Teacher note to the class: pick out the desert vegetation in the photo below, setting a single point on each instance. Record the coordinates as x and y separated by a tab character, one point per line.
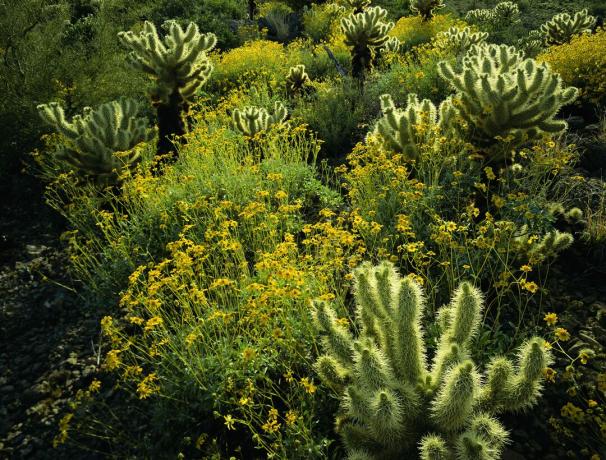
292	230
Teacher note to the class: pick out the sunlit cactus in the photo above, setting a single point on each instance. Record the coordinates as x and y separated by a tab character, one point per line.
426	8
359	5
393	45
179	65
393	403
480	17
418	124
537	249
365	32
459	40
296	79
505	98
94	138
562	27
252	120
532	44
503	14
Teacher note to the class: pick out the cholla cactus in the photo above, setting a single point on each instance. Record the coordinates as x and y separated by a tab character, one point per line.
425	8
179	65
94	138
480	17
562	27
393	404
251	120
365	32
503	14
296	79
419	124
459	40
532	44
505	99
393	45
538	249
359	5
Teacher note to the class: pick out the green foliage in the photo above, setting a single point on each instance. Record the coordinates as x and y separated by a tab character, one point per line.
94	138
179	64
252	120
562	27
403	131
426	8
505	99
216	16
296	79
277	18
365	32
320	20
459	40
392	402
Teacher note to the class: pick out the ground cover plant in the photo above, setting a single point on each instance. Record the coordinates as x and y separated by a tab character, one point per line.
295	230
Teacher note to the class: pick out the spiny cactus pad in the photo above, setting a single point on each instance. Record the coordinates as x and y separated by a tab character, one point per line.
394	404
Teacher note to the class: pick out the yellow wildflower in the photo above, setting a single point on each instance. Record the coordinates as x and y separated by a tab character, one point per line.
562	334
551	319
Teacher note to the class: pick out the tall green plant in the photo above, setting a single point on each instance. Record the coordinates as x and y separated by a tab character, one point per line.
94	138
178	64
364	33
393	404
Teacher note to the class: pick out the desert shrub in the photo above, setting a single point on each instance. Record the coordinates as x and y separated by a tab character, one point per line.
50	55
216	16
337	112
258	62
410	73
277	18
445	217
413	31
581	63
320	21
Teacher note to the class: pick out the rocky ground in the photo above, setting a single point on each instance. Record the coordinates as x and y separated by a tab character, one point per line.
46	351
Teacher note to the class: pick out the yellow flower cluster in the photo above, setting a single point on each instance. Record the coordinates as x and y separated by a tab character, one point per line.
581	63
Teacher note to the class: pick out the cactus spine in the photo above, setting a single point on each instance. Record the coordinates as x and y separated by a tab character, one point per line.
426	8
179	65
506	99
94	138
562	27
252	120
365	32
419	124
393	405
393	45
296	79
